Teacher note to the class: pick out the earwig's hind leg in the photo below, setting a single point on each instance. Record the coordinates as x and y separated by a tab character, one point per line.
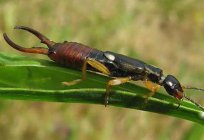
152	87
74	82
93	63
114	82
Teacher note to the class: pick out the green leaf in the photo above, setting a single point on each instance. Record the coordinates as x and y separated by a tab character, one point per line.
27	78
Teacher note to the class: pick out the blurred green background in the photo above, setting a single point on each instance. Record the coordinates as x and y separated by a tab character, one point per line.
166	33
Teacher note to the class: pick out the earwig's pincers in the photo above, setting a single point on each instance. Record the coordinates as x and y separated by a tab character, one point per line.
38	50
117	66
43	39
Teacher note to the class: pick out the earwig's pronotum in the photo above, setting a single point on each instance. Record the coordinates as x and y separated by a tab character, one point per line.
117	66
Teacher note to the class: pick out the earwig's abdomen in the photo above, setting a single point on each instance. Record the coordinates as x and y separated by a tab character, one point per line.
70	54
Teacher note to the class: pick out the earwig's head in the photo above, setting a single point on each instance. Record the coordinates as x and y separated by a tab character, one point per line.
173	87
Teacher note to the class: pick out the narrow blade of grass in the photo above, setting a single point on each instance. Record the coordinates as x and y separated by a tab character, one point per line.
24	78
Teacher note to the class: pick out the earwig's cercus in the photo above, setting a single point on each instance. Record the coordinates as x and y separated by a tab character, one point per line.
117	66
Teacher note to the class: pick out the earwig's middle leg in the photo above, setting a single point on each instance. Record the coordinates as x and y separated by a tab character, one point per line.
114	82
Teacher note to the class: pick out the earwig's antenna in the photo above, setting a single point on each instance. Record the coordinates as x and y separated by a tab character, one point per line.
191	100
193	88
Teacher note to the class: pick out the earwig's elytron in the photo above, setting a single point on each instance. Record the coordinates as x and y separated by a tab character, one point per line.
117	66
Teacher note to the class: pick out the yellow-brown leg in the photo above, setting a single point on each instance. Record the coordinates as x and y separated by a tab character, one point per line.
152	87
74	82
114	82
93	63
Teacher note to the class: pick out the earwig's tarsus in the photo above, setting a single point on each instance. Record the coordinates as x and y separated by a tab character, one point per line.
179	104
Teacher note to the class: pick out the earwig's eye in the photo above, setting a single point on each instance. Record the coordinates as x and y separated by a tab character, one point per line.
109	56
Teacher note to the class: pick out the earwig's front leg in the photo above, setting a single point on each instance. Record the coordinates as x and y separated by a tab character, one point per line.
114	82
152	87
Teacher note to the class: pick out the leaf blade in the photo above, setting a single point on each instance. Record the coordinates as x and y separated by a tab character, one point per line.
33	79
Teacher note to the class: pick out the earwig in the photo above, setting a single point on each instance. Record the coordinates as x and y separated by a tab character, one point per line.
117	66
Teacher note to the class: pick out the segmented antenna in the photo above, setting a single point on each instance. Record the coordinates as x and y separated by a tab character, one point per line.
197	104
193	88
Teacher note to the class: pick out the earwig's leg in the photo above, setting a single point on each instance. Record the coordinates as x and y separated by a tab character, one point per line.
114	82
152	87
74	82
179	103
93	63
